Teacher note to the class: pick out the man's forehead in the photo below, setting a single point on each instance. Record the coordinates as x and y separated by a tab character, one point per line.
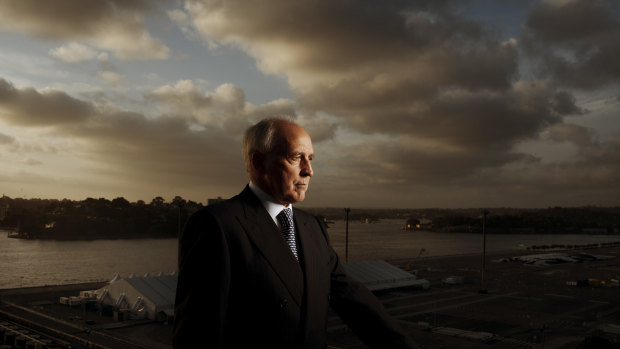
294	136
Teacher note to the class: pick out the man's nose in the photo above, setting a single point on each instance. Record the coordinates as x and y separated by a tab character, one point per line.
306	168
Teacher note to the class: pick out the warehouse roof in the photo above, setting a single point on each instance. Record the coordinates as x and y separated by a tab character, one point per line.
381	275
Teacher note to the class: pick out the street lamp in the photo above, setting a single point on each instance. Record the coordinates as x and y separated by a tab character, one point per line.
346	241
484	250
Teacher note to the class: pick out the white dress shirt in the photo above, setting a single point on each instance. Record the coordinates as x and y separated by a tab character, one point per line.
271	205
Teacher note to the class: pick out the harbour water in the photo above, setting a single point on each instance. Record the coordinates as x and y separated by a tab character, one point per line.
26	263
386	239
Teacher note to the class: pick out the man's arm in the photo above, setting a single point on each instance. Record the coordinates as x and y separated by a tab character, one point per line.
362	311
203	283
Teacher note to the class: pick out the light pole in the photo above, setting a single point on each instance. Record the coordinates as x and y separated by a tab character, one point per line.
179	221
346	239
484	250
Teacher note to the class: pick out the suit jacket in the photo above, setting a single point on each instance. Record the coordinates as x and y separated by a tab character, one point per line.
239	285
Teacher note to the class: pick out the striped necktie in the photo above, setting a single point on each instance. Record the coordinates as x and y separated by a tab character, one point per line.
285	217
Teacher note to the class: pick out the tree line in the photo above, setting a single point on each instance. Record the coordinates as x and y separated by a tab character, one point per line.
92	219
101	218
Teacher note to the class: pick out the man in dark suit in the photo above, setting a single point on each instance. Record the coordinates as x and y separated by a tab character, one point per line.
248	281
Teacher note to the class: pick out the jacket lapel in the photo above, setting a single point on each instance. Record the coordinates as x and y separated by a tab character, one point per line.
265	235
311	249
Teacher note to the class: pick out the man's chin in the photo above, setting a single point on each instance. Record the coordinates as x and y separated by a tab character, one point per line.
297	197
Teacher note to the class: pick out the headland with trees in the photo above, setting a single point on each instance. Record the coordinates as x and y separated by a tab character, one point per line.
92	219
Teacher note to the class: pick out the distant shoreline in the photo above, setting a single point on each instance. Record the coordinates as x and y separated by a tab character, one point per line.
13	235
79	286
111	237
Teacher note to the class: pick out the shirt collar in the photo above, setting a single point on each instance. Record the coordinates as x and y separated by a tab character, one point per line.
271	205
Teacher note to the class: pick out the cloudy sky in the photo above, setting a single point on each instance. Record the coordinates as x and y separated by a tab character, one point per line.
410	104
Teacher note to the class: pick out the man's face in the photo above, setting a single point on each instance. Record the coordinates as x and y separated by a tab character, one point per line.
287	170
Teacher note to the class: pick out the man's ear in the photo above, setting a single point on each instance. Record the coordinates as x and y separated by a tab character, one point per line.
258	162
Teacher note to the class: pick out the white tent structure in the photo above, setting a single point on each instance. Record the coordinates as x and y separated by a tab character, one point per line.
150	296
380	275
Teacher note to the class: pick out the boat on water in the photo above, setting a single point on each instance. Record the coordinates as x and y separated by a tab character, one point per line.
16	234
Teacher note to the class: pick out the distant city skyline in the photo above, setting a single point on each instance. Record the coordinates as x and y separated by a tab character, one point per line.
412	104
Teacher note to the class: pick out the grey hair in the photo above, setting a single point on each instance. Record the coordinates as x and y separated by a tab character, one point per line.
262	138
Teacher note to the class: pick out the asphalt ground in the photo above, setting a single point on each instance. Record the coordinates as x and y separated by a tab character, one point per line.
517	306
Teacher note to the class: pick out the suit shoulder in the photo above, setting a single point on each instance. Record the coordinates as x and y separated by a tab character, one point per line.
309	217
212	214
221	208
301	213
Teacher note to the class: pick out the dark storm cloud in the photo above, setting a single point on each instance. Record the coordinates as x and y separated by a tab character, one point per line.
68	18
593	178
452	179
576	42
29	107
450	97
130	146
601	165
335	34
6	139
474	120
109	24
402	98
579	135
413	68
349	39
395	162
162	151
